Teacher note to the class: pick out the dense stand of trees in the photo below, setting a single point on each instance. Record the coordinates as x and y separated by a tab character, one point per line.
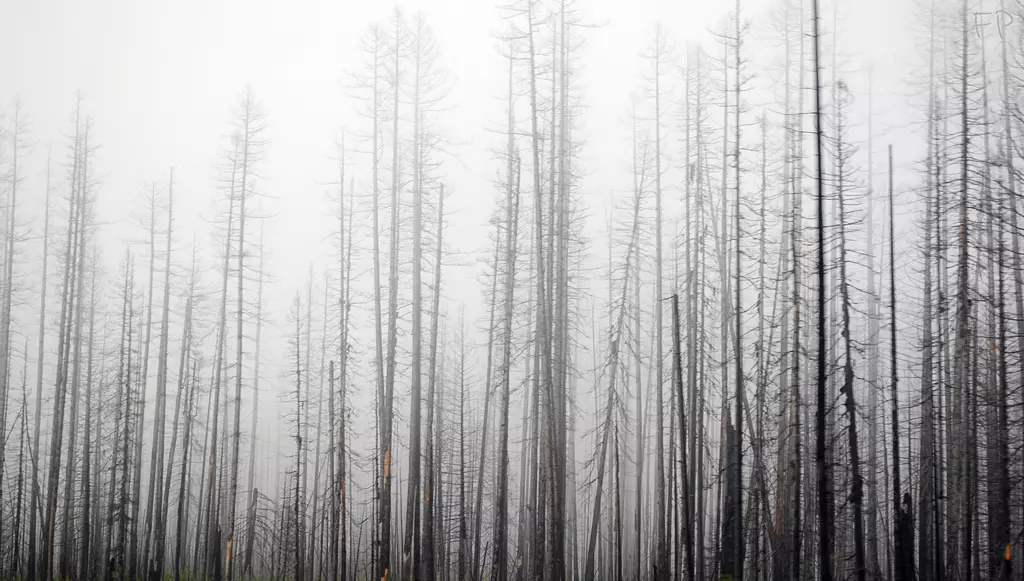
733	376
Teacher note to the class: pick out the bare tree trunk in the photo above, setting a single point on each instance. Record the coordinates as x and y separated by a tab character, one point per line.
79	156
68	543
140	423
33	534
156	532
343	453
250	130
499	565
335	485
115	554
379	563
904	541
85	571
825	517
737	554
857	486
683	468
463	573
661	569
187	382
253	491
428	566
17	136
873	509
209	546
18	565
411	542
384	556
958	528
314	513
297	512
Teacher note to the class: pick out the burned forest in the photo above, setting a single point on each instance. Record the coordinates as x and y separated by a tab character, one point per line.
511	290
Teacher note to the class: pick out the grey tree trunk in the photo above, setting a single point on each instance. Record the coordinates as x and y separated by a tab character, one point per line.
187	382
842	156
79	157
86	555
251	128
209	546
33	534
499	564
253	492
155	568
384	515
825	518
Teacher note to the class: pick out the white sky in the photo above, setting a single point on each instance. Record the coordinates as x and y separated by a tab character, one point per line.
160	80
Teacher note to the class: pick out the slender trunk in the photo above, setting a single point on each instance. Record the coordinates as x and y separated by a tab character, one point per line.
384	566
904	541
661	569
253	492
85	572
380	562
7	290
249	131
186	382
428	567
155	569
33	535
857	484
67	297
463	550
411	542
825	546
499	565
210	546
683	469
140	424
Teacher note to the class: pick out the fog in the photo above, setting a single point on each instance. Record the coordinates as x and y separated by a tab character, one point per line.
278	397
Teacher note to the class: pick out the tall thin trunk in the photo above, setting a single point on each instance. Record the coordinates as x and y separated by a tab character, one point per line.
85	570
67	296
857	484
683	468
187	382
499	564
17	145
380	563
250	129
210	547
873	410
335	484
155	569
314	513
33	535
662	564
824	483
462	571
959	555
411	542
739	550
428	567
140	423
904	541
116	561
384	565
